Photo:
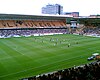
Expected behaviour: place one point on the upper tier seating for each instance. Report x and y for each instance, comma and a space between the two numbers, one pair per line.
31, 24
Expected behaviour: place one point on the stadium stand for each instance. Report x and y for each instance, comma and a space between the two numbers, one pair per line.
27, 25
33, 25
91, 26
31, 21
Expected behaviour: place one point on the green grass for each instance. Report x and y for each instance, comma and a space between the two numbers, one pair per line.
25, 57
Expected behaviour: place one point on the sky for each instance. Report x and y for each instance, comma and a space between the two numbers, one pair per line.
33, 7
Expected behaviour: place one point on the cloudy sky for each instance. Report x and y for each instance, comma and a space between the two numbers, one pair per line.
85, 7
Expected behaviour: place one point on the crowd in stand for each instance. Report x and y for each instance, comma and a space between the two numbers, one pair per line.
89, 71
22, 32
12, 33
92, 31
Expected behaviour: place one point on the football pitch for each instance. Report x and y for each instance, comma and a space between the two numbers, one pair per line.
28, 56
